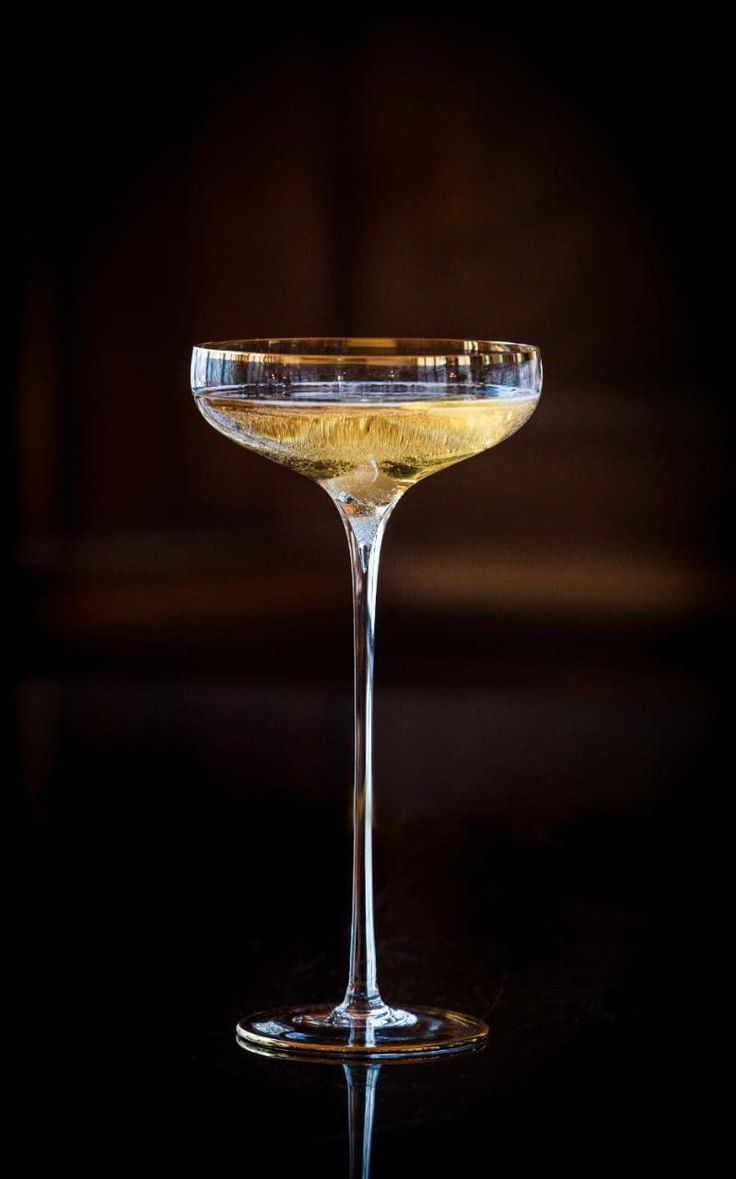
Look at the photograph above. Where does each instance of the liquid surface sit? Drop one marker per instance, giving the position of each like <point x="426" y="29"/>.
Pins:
<point x="366" y="453"/>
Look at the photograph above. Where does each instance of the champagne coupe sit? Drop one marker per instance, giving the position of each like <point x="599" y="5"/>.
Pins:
<point x="366" y="418"/>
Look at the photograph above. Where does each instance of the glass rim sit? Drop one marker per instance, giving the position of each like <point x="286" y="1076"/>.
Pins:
<point x="294" y="350"/>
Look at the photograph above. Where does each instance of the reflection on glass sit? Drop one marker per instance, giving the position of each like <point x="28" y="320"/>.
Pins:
<point x="361" y="1082"/>
<point x="366" y="419"/>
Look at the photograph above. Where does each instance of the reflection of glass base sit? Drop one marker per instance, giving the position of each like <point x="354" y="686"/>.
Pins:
<point x="325" y="1029"/>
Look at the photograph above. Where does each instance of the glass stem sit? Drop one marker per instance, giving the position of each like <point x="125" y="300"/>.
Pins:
<point x="365" y="533"/>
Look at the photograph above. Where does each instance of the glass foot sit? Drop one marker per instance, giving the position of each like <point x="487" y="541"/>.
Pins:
<point x="325" y="1029"/>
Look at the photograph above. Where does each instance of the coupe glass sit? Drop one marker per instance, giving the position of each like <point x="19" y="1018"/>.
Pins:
<point x="366" y="419"/>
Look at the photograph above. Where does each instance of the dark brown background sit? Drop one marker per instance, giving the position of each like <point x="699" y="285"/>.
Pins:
<point x="180" y="635"/>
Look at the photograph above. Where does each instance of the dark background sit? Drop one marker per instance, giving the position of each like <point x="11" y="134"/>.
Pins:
<point x="550" y="614"/>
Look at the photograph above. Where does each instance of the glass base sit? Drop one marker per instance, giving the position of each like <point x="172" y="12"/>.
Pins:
<point x="325" y="1029"/>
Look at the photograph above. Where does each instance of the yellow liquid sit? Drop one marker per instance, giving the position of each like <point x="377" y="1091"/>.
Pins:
<point x="367" y="453"/>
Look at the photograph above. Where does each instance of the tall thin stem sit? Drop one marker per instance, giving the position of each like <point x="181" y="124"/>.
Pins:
<point x="363" y="1003"/>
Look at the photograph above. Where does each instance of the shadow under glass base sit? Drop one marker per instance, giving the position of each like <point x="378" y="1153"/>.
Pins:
<point x="324" y="1029"/>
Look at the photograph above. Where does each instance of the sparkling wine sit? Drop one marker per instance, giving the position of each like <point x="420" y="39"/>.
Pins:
<point x="366" y="452"/>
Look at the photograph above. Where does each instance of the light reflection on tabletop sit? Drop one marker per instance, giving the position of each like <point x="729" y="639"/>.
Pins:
<point x="361" y="1081"/>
